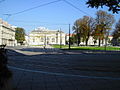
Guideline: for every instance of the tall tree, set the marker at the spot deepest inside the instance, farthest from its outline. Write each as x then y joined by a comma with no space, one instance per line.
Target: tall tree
20,35
83,28
114,5
104,22
76,28
116,33
87,27
72,39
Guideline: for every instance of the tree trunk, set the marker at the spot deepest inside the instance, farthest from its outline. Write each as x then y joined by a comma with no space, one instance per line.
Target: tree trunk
99,42
88,35
78,43
78,39
86,42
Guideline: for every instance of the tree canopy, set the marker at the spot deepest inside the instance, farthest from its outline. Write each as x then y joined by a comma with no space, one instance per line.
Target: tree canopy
20,35
83,28
104,22
97,27
76,28
113,5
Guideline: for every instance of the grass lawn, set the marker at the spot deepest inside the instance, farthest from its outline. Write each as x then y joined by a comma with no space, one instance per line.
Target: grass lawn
88,47
62,46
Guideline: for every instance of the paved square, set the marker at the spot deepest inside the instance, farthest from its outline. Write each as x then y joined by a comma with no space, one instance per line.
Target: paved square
52,69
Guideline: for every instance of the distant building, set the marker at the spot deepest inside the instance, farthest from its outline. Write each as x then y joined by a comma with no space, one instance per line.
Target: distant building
116,41
91,40
26,42
43,36
67,36
7,34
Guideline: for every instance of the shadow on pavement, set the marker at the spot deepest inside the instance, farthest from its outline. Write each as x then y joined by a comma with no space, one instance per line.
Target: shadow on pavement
63,62
5,78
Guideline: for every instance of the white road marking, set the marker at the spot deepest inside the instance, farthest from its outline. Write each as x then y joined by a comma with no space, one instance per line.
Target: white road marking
62,74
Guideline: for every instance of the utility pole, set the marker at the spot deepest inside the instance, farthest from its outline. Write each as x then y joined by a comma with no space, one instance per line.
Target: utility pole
69,37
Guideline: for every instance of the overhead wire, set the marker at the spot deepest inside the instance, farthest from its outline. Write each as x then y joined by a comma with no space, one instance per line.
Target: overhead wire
75,7
45,4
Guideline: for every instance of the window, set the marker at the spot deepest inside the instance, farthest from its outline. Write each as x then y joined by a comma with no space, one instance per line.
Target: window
53,39
42,39
33,39
47,38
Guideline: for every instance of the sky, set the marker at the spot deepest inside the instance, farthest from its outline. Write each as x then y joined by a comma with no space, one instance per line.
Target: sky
52,14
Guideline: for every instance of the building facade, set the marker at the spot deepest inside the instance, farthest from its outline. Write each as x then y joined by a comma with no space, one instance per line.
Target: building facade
7,34
43,36
103,42
91,41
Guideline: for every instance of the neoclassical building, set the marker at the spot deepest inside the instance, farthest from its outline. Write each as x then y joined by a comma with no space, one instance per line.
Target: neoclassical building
43,36
7,34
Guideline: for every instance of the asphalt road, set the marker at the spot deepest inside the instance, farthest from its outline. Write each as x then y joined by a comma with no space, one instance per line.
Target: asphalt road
80,70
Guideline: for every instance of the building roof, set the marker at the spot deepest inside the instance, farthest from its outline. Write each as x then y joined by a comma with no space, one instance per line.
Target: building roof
70,35
5,24
44,30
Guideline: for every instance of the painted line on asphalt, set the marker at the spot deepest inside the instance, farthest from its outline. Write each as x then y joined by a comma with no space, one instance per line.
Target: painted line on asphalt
62,74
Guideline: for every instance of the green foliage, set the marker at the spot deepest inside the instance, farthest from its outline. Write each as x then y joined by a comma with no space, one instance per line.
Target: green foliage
83,28
77,30
72,40
104,22
98,28
20,35
113,5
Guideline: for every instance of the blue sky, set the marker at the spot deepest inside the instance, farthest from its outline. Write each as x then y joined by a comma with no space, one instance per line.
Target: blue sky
53,16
